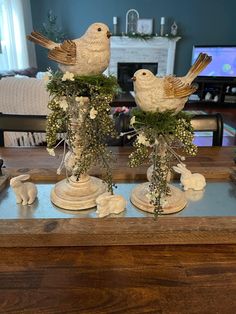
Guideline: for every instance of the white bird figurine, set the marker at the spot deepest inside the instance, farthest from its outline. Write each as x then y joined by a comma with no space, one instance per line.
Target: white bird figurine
159,94
87,55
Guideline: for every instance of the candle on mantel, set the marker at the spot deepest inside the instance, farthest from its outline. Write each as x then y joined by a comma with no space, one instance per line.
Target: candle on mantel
162,26
114,25
162,21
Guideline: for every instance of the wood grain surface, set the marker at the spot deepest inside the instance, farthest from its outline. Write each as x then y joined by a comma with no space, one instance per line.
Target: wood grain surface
117,231
120,280
214,162
163,278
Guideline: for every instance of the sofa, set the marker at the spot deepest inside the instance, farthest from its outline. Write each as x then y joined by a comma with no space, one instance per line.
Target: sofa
29,72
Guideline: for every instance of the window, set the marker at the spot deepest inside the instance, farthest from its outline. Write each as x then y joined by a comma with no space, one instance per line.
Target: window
14,51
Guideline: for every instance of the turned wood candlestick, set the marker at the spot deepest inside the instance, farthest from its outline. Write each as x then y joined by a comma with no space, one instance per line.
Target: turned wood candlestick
77,193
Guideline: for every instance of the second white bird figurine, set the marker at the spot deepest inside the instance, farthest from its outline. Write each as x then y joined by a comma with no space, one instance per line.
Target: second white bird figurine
87,55
159,94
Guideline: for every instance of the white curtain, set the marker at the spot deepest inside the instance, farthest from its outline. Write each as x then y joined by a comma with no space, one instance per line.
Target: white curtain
15,23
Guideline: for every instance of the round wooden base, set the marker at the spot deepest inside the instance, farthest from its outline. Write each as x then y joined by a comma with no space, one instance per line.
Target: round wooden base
77,195
176,201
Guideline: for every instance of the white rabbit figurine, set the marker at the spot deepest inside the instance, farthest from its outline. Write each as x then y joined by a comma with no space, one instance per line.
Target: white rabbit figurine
189,180
110,204
25,192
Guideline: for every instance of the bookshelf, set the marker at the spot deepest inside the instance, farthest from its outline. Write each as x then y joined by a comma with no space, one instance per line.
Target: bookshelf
215,90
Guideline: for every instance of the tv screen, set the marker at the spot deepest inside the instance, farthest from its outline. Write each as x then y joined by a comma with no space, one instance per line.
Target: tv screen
223,62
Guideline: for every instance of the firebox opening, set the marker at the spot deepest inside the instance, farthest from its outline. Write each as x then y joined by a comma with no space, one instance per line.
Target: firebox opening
126,70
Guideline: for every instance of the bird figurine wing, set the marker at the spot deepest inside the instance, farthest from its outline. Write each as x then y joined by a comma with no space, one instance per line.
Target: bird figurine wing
174,87
41,40
64,53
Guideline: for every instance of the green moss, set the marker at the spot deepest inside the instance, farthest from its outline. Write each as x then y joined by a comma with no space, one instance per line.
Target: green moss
175,128
82,85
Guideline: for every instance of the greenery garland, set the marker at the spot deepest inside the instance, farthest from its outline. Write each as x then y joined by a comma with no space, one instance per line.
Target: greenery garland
143,36
92,119
157,135
140,36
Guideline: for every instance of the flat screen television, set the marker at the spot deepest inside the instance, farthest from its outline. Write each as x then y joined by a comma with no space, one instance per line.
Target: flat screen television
223,62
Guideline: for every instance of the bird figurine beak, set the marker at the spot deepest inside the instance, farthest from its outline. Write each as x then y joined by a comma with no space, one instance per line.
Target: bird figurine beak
109,34
133,78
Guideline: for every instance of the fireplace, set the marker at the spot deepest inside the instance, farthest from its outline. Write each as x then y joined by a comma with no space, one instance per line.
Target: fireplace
159,50
126,70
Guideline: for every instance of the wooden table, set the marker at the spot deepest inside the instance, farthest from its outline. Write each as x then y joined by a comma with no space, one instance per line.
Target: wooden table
187,265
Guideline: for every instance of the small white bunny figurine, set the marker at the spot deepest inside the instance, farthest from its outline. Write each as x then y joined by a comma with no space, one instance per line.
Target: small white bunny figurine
25,192
110,204
189,180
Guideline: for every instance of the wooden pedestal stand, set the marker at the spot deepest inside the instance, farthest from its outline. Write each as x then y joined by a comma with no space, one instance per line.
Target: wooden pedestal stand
79,194
175,201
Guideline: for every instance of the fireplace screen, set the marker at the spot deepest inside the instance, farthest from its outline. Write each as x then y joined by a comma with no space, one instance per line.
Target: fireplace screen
126,71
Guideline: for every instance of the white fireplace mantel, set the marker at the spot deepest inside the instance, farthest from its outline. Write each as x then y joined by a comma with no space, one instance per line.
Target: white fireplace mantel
157,49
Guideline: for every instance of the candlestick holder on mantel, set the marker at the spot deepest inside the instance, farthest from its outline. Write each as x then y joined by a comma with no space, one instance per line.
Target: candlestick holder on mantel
162,26
115,22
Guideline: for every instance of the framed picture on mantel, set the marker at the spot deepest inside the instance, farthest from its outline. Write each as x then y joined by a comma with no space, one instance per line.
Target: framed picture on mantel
145,26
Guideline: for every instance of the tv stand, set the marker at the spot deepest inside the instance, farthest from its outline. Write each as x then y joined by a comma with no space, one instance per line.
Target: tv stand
217,90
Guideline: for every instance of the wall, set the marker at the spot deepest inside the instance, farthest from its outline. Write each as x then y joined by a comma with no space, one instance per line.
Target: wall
200,22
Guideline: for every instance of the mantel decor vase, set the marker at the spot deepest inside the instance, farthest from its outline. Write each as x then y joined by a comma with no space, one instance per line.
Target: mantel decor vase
86,123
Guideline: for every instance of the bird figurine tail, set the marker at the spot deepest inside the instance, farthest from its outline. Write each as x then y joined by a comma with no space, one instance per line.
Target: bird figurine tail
41,40
199,65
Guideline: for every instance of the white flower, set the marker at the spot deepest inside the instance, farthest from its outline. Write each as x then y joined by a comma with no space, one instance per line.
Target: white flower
132,121
93,113
47,77
143,140
51,151
68,76
63,104
80,100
